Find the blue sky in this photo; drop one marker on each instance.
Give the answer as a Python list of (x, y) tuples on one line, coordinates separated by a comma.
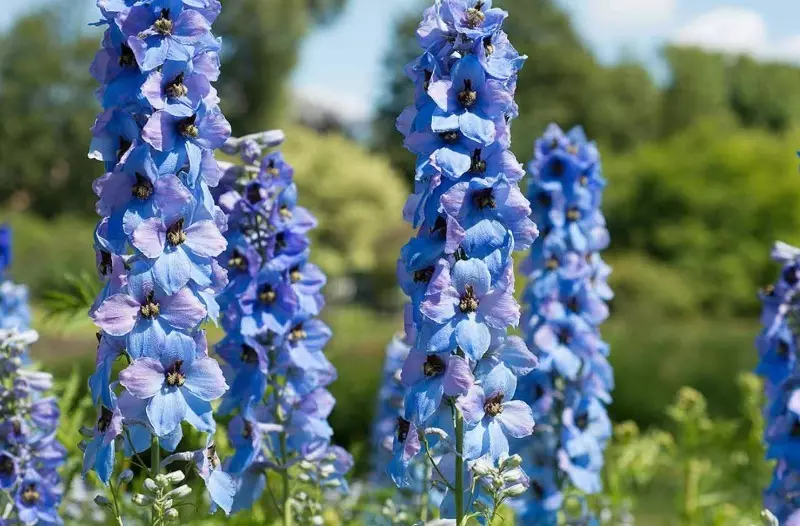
[(614, 28)]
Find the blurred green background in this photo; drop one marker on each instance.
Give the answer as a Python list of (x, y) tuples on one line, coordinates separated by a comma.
[(701, 166)]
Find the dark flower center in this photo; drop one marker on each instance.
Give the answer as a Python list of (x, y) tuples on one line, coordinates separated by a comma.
[(124, 145), (280, 241), (537, 490), (768, 290), (449, 137), (488, 47), (795, 432), (424, 275), (478, 164), (427, 82), (174, 376), (177, 88), (175, 234), (247, 429), (484, 199), (582, 422), (142, 189), (584, 180), (254, 194), (544, 199), (105, 419), (790, 275), (573, 305), (105, 266), (267, 295), (557, 167), (539, 391), (6, 466), (188, 128), (493, 405), (285, 212), (433, 366), (238, 261), (439, 226), (16, 426), (30, 495), (403, 427), (564, 337), (475, 16), (468, 96), (211, 456), (126, 56), (295, 275), (151, 308), (297, 334), (573, 214), (783, 349), (552, 264), (163, 25), (272, 170), (469, 303), (249, 355)]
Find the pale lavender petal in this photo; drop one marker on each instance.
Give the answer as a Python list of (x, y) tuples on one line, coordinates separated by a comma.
[(204, 239), (516, 419), (205, 380), (149, 237), (183, 310), (458, 377), (143, 378), (117, 314)]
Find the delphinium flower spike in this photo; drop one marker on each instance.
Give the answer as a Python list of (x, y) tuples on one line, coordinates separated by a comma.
[(565, 303), (778, 365), (158, 236), (273, 347), (461, 374), (30, 455)]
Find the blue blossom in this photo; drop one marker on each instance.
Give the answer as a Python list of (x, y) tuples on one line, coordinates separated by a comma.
[(565, 302)]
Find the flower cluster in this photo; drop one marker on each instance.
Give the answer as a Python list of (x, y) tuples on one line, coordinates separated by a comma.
[(160, 229), (15, 311), (461, 373), (273, 347), (566, 298), (778, 365), (29, 451)]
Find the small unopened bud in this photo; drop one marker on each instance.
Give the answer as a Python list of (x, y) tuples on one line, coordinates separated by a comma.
[(167, 504), (514, 491), (317, 520), (513, 475), (142, 500), (305, 465), (171, 514), (335, 483), (180, 492), (162, 480), (303, 477), (176, 477), (125, 477), (514, 461), (102, 501), (327, 470), (481, 468), (150, 485), (769, 519)]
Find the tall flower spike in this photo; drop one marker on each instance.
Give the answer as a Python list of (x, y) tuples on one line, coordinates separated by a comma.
[(30, 455), (565, 303), (461, 373), (159, 232), (273, 347), (778, 365)]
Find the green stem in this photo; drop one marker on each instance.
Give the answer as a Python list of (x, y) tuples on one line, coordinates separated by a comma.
[(423, 512), (155, 468), (459, 468), (287, 508)]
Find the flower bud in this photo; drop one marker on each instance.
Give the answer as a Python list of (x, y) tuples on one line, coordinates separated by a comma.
[(125, 477), (150, 485), (176, 477), (171, 514), (142, 500), (514, 491), (102, 501), (180, 492), (514, 461)]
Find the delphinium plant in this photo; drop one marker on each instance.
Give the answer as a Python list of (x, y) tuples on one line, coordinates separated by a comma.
[(565, 304), (274, 342), (156, 243), (30, 455), (778, 365), (461, 373)]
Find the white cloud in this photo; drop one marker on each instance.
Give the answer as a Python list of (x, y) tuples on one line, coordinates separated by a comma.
[(736, 30), (629, 15)]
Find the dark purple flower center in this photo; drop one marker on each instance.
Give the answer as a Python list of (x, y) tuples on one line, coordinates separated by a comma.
[(768, 290), (557, 167), (238, 261), (295, 275), (254, 194), (188, 128), (249, 355), (174, 377), (478, 165), (403, 427), (433, 366), (272, 170), (211, 456), (247, 429), (424, 275), (573, 305), (267, 295), (573, 214), (297, 334), (439, 227), (795, 432), (105, 419), (151, 309), (124, 146), (582, 421), (30, 495), (126, 56), (449, 137), (469, 302), (564, 337), (537, 490), (177, 88), (484, 199), (6, 466), (143, 188), (280, 241), (544, 199), (285, 212), (427, 82), (539, 391), (16, 426), (790, 275), (552, 263), (493, 405), (468, 96), (175, 234), (783, 349), (488, 47), (475, 16), (105, 265), (163, 25)]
